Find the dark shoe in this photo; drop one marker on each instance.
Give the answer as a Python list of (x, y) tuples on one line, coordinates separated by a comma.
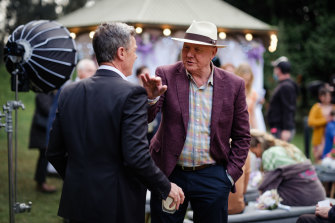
[(45, 188)]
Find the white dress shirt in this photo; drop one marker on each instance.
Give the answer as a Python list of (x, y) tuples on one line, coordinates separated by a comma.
[(107, 67)]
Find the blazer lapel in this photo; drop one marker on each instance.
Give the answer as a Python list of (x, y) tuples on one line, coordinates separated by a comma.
[(218, 98), (183, 85)]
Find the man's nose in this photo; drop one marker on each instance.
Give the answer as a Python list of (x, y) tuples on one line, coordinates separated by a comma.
[(190, 53)]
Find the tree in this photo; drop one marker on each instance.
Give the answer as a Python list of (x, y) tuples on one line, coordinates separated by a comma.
[(306, 28)]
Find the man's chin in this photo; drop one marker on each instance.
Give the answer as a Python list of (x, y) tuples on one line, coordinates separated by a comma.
[(189, 67)]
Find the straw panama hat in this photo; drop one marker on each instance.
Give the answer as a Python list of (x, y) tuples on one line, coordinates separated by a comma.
[(202, 33)]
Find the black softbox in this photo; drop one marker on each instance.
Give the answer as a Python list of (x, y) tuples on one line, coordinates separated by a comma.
[(43, 53)]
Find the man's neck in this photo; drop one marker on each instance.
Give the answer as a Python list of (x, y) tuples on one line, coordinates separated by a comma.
[(284, 77), (113, 64), (202, 77)]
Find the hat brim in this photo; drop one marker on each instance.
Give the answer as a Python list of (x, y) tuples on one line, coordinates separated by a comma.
[(198, 42)]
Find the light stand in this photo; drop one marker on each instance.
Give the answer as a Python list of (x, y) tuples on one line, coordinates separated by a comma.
[(14, 206), (40, 56)]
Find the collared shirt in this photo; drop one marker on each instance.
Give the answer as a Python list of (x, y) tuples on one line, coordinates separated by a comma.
[(197, 143), (106, 67)]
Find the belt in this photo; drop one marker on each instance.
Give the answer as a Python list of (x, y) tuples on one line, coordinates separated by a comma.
[(193, 168)]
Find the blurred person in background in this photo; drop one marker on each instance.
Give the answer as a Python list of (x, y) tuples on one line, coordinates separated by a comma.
[(286, 169), (141, 70), (318, 118), (244, 71), (85, 68), (283, 101), (329, 135), (228, 67), (38, 135)]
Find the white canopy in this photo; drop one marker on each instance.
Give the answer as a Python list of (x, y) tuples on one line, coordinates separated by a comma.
[(172, 13)]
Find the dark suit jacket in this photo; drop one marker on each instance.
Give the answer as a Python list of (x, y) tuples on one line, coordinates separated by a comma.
[(98, 145), (229, 120)]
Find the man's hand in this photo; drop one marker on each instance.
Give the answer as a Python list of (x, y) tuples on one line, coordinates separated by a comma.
[(177, 194), (153, 85), (322, 211), (285, 135)]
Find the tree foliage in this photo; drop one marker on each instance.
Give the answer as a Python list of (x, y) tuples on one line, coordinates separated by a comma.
[(306, 30)]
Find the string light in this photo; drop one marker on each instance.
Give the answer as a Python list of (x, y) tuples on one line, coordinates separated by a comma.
[(91, 34), (248, 36), (73, 35), (222, 35), (139, 30), (273, 43), (167, 32)]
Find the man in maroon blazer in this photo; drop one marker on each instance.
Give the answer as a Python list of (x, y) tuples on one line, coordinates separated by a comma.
[(203, 107)]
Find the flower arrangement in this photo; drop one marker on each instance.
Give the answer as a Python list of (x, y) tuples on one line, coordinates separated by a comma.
[(269, 200)]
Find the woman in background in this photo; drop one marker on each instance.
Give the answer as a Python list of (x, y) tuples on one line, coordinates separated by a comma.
[(287, 170), (244, 71)]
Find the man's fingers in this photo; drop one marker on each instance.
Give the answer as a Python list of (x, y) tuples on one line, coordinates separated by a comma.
[(143, 78), (158, 80), (147, 76), (181, 194), (177, 202), (162, 89)]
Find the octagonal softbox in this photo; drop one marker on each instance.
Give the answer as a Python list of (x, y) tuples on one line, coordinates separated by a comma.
[(44, 53)]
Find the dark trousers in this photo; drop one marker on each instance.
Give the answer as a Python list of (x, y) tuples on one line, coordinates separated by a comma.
[(41, 167), (207, 190), (311, 218)]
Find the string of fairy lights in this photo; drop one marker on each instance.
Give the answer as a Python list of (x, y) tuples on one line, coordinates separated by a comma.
[(222, 35)]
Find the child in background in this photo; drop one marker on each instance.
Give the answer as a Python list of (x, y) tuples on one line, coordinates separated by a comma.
[(330, 134), (318, 117)]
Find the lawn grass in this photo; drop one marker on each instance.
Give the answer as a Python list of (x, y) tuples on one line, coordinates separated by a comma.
[(45, 206)]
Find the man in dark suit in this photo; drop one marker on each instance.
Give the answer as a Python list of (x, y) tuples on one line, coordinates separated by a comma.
[(202, 108), (98, 140)]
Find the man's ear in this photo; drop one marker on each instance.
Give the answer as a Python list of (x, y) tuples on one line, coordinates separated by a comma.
[(121, 53), (214, 52)]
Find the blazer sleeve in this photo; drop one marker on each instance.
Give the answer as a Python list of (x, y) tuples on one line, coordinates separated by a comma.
[(155, 108), (56, 152), (135, 144), (240, 135)]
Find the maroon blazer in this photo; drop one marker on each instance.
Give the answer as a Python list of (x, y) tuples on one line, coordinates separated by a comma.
[(229, 119)]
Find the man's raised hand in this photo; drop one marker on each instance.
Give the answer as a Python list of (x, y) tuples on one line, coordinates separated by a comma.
[(153, 85)]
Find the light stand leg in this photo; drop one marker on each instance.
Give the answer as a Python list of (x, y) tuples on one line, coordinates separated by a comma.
[(9, 130), (15, 130), (14, 207)]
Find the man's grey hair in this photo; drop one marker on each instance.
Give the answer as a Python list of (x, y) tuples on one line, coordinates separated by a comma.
[(109, 37)]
